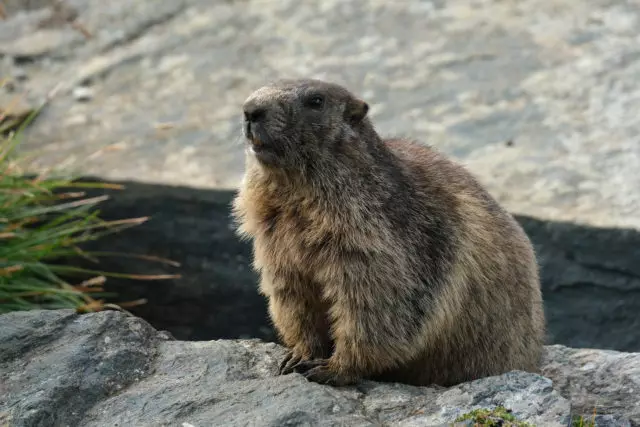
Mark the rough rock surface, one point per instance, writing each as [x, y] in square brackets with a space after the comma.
[558, 80]
[62, 369]
[55, 366]
[596, 379]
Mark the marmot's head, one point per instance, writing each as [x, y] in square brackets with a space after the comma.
[293, 124]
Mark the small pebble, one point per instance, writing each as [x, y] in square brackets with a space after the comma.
[77, 120]
[82, 93]
[20, 74]
[9, 86]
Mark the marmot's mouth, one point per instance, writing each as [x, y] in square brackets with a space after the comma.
[260, 145]
[263, 154]
[251, 134]
[257, 138]
[257, 145]
[263, 150]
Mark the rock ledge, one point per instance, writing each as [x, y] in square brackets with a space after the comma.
[58, 368]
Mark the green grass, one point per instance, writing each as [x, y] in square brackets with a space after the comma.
[499, 416]
[580, 421]
[42, 220]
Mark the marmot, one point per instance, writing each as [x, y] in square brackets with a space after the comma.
[380, 258]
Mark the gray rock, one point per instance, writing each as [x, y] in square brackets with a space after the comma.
[607, 421]
[58, 368]
[55, 365]
[12, 105]
[19, 74]
[596, 380]
[82, 93]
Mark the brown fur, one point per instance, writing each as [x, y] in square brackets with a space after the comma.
[380, 259]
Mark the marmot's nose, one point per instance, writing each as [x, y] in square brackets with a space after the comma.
[254, 113]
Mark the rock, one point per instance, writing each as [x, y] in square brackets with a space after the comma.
[37, 44]
[15, 107]
[14, 104]
[596, 380]
[55, 365]
[216, 296]
[82, 93]
[607, 421]
[19, 74]
[59, 368]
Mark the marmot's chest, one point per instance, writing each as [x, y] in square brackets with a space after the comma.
[290, 237]
[304, 232]
[309, 240]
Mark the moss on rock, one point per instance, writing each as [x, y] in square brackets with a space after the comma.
[499, 416]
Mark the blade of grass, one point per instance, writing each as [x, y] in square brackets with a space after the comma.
[70, 269]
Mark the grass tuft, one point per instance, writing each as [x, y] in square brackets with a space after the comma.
[44, 219]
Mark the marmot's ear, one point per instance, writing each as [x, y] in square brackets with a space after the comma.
[356, 110]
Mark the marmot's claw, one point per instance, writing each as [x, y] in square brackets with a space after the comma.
[305, 365]
[319, 371]
[320, 375]
[324, 375]
[288, 363]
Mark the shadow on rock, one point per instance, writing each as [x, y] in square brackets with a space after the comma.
[590, 276]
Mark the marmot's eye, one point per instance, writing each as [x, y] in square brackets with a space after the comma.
[315, 102]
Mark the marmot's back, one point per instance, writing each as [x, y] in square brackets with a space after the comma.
[489, 318]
